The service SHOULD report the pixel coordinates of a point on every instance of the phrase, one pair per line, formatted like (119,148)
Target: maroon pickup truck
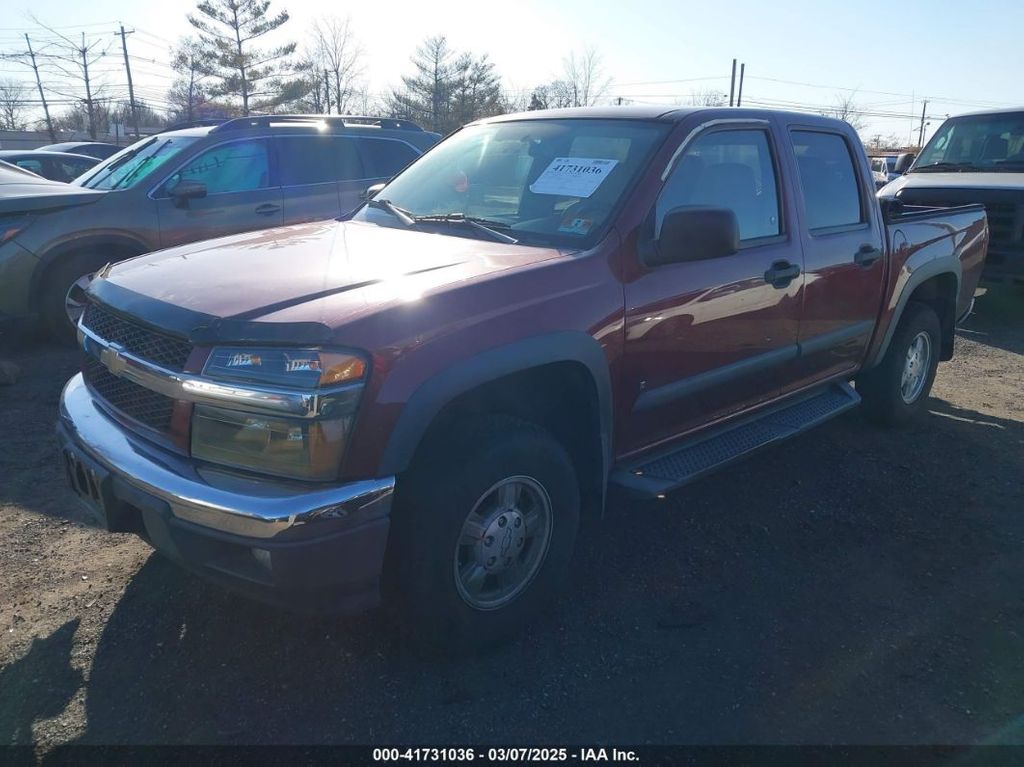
(421,403)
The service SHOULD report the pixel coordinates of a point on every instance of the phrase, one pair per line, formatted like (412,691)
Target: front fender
(433,394)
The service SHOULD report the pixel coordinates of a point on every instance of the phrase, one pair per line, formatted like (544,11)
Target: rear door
(843,246)
(309,170)
(241,194)
(706,339)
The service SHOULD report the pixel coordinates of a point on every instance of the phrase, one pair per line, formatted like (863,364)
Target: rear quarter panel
(925,245)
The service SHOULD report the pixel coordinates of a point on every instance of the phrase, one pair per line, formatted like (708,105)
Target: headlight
(302,448)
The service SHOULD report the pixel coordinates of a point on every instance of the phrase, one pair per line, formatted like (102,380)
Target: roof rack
(333,121)
(200,123)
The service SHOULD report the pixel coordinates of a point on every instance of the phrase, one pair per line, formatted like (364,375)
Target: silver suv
(187,185)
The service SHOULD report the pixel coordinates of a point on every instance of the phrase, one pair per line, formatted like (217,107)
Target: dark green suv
(187,185)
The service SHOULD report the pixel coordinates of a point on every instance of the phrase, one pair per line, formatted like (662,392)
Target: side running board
(684,462)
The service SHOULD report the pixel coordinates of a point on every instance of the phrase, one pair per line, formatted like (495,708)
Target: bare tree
(342,58)
(73,61)
(13,105)
(846,109)
(583,82)
(188,92)
(707,98)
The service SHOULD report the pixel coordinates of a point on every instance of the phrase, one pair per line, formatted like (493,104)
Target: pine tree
(226,31)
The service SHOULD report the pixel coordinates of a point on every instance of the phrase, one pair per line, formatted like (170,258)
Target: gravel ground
(854,585)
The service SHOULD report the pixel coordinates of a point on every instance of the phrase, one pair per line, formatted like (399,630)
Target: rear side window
(727,169)
(385,157)
(306,160)
(829,180)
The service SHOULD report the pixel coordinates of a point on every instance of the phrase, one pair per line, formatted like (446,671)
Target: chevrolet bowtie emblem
(112,359)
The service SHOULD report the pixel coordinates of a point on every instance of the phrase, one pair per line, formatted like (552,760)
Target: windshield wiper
(960,167)
(479,224)
(386,205)
(123,159)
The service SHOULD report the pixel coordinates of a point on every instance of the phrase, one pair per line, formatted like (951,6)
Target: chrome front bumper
(217,500)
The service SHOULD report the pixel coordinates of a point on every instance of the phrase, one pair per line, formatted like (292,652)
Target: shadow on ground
(854,585)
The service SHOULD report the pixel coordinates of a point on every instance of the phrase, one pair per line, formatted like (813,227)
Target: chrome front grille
(147,407)
(163,350)
(144,406)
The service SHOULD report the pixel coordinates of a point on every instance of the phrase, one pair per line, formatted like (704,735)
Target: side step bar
(685,462)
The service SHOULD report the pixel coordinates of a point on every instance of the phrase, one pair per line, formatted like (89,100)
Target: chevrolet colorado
(419,403)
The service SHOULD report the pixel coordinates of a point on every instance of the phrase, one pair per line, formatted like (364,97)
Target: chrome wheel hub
(74,301)
(915,367)
(503,542)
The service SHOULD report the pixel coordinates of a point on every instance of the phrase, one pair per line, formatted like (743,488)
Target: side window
(384,157)
(350,164)
(238,167)
(305,160)
(829,180)
(72,169)
(727,169)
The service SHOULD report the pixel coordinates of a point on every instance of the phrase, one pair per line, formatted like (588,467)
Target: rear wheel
(63,295)
(482,537)
(895,390)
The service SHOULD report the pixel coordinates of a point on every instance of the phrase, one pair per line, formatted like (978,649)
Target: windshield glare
(991,142)
(117,172)
(545,181)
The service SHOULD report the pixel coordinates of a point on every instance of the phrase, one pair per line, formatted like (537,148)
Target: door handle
(267,209)
(781,274)
(866,255)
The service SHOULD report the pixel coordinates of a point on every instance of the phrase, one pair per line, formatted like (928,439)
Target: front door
(844,264)
(706,339)
(240,194)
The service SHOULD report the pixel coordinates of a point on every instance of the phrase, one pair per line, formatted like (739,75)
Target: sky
(889,57)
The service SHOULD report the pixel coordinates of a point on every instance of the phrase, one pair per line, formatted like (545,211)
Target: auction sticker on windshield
(573,176)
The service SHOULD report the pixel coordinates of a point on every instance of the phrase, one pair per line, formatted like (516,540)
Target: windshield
(134,164)
(978,142)
(539,181)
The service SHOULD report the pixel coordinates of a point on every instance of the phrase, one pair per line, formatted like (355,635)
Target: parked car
(56,166)
(423,400)
(188,185)
(97,149)
(976,158)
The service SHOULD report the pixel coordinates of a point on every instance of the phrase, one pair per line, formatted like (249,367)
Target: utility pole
(327,91)
(739,94)
(39,84)
(732,84)
(128,69)
(920,133)
(88,90)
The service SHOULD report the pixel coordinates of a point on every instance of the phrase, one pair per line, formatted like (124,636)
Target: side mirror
(371,191)
(695,234)
(903,163)
(186,190)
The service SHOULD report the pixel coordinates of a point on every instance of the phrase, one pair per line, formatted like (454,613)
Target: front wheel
(482,537)
(895,390)
(63,295)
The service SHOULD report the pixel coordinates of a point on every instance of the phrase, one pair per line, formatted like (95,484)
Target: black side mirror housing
(695,233)
(371,191)
(187,190)
(903,163)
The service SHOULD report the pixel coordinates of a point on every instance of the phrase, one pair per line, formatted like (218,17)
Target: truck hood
(317,276)
(23,193)
(987,181)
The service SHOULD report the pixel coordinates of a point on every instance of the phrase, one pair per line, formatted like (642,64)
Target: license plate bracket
(89,481)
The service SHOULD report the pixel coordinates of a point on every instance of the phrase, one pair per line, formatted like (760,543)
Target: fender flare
(927,268)
(75,243)
(433,394)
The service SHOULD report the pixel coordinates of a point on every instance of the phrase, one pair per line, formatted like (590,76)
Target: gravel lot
(852,586)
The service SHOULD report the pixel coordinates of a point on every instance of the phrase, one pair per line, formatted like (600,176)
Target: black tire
(881,388)
(65,271)
(432,504)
